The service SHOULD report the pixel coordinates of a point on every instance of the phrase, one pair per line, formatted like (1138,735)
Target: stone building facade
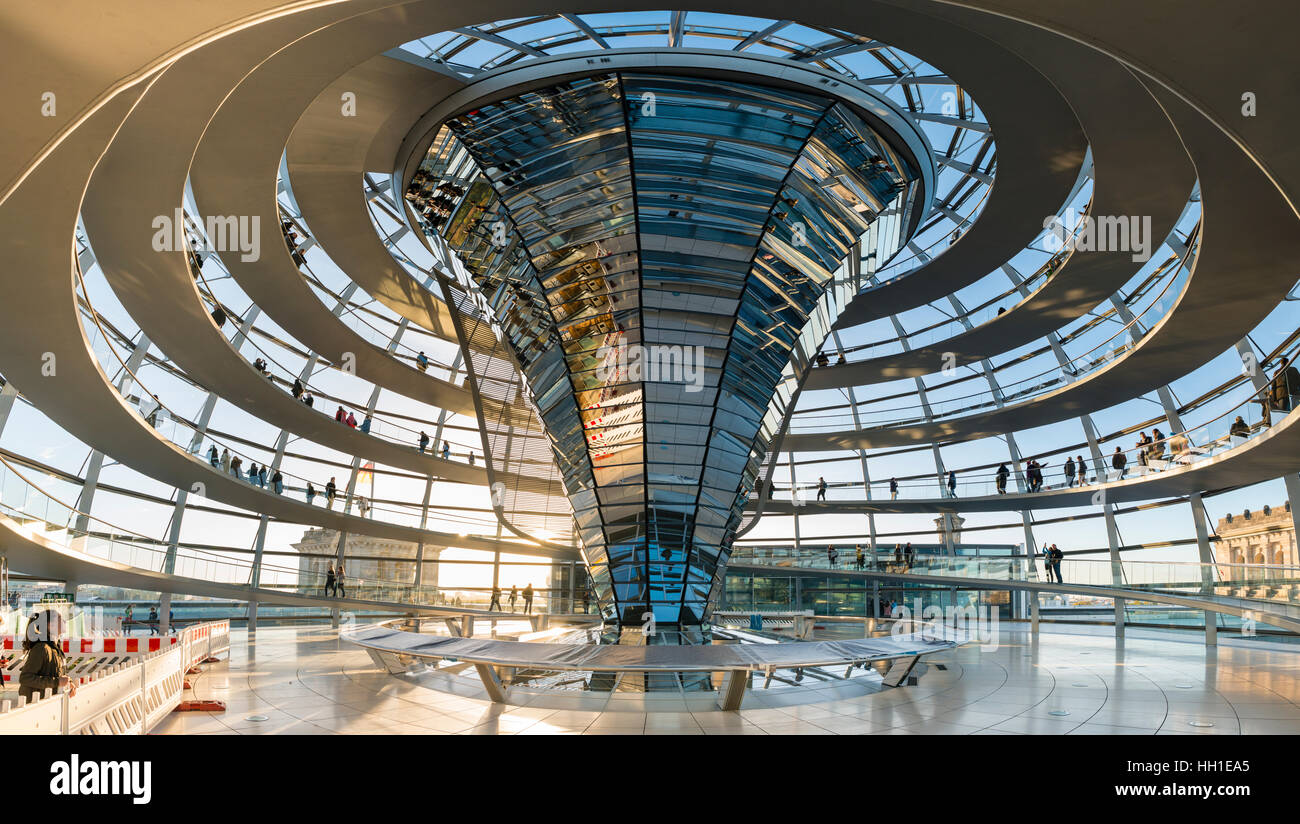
(368,559)
(1257,537)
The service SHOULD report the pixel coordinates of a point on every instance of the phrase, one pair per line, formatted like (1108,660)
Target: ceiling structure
(464,232)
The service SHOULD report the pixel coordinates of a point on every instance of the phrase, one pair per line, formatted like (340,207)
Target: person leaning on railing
(45,666)
(1239,428)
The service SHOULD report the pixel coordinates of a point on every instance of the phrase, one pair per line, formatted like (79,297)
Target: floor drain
(1060,713)
(1200,723)
(255,718)
(1184,686)
(943,667)
(1080,685)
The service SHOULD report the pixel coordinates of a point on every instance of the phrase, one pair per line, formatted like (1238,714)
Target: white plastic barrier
(206,640)
(127,698)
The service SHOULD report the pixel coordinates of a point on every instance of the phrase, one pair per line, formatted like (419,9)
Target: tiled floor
(302,681)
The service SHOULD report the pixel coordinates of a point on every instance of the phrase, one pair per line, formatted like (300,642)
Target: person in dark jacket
(1284,388)
(1119,462)
(1003,474)
(1069,471)
(44,667)
(952,484)
(528,599)
(1239,429)
(1057,556)
(329,581)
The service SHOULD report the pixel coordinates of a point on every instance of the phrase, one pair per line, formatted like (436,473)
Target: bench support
(491,683)
(899,669)
(733,690)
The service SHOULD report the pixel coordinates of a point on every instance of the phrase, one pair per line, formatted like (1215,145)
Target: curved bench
(736,661)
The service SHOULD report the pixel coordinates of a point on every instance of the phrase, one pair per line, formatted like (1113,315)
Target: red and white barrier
(118,692)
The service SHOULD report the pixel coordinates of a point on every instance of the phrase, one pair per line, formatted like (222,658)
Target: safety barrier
(126,697)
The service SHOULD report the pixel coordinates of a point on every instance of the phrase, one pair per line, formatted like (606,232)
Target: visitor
(364,506)
(153,620)
(840,360)
(860,559)
(296,389)
(128,618)
(329,581)
(1057,557)
(1069,472)
(1003,474)
(311,493)
(252,473)
(909,553)
(471,457)
(1083,470)
(351,421)
(446,450)
(331,490)
(422,362)
(365,425)
(1179,448)
(1157,445)
(44,666)
(496,599)
(821,489)
(528,599)
(340,582)
(822,360)
(832,556)
(893,489)
(1119,462)
(424,442)
(213,457)
(952,484)
(340,416)
(261,476)
(225,460)
(1283,389)
(308,399)
(1143,447)
(1239,429)
(898,554)
(277,482)
(514,596)
(237,466)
